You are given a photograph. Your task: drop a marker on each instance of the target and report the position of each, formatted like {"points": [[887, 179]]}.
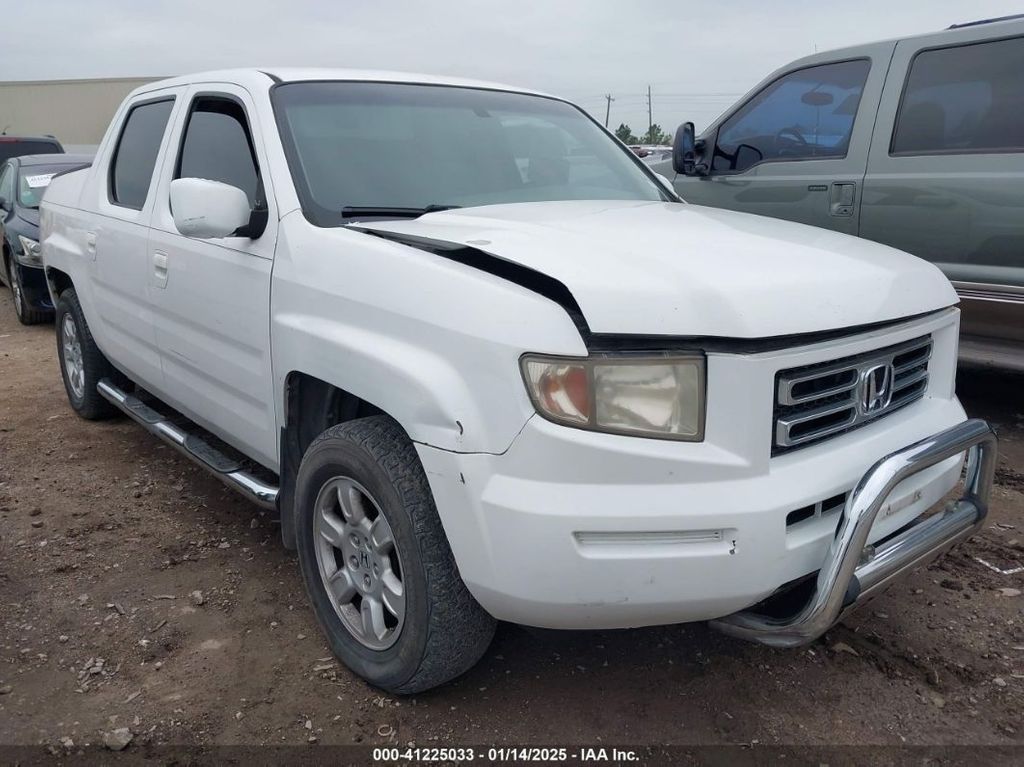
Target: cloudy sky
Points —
{"points": [[697, 58]]}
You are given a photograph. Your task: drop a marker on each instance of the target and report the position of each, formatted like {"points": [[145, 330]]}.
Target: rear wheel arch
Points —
{"points": [[58, 281]]}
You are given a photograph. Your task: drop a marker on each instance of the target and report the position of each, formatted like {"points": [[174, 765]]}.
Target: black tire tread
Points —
{"points": [[459, 630], [94, 407], [27, 315]]}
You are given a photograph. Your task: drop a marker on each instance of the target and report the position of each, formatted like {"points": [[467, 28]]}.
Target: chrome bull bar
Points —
{"points": [[853, 571]]}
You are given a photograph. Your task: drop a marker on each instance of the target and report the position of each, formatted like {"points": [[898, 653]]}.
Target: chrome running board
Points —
{"points": [[226, 469]]}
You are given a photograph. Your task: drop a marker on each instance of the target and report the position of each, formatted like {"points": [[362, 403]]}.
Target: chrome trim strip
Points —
{"points": [[920, 375], [786, 385], [784, 426], [987, 291], [852, 570], [254, 489]]}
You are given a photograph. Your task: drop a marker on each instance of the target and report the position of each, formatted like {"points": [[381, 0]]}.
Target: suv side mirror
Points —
{"points": [[4, 204], [684, 152], [208, 209]]}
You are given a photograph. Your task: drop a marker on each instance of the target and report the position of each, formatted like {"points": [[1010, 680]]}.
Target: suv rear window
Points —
{"points": [[136, 153], [19, 147], [963, 100]]}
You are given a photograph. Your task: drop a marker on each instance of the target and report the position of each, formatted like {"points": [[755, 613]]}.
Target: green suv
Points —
{"points": [[915, 143]]}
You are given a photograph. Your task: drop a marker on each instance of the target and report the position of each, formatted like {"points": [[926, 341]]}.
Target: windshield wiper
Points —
{"points": [[352, 211]]}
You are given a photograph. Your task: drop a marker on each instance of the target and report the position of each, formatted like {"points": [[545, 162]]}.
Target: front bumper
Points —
{"points": [[852, 570], [575, 529]]}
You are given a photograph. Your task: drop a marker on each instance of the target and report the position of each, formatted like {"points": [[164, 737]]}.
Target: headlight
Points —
{"points": [[650, 396], [31, 254]]}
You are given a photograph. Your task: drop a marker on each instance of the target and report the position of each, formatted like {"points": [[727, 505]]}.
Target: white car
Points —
{"points": [[481, 382]]}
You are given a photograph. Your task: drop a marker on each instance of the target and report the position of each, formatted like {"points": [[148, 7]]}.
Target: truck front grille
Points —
{"points": [[818, 401]]}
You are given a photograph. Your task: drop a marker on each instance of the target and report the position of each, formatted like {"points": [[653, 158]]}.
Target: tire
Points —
{"points": [[26, 314], [443, 631], [80, 380]]}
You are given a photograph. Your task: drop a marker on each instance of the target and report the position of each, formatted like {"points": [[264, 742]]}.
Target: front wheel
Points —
{"points": [[26, 314], [376, 562]]}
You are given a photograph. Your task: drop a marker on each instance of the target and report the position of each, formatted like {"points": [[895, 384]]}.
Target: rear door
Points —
{"points": [[122, 317], [212, 297], [796, 147], [945, 178]]}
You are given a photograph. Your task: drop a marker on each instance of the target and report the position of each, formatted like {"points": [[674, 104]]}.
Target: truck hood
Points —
{"points": [[653, 268]]}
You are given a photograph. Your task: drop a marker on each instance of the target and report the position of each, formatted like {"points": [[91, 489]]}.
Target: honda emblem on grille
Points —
{"points": [[875, 389]]}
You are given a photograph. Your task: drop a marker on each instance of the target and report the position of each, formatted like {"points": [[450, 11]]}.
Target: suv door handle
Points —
{"points": [[842, 198], [159, 269], [90, 244]]}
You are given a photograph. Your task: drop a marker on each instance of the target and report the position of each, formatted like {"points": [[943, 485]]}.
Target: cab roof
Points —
{"points": [[264, 77]]}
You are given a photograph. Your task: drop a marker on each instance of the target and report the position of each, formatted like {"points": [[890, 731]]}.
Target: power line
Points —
{"points": [[650, 113]]}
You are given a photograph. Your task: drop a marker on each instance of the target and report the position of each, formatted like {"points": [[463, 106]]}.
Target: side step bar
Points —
{"points": [[192, 446]]}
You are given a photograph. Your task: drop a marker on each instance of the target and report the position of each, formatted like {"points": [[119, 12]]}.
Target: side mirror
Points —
{"points": [[208, 209], [684, 150], [4, 204]]}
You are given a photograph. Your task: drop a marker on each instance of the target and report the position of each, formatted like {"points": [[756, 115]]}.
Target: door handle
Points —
{"points": [[159, 269], [90, 244], [842, 198]]}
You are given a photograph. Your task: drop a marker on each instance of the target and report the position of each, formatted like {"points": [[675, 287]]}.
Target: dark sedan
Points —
{"points": [[22, 183]]}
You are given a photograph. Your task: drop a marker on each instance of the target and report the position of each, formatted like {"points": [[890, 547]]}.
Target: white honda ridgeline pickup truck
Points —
{"points": [[487, 366]]}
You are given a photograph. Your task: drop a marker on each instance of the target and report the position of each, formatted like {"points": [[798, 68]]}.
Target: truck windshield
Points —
{"points": [[370, 145]]}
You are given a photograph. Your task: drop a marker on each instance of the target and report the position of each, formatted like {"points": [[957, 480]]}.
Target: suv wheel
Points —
{"points": [[376, 562], [26, 314], [82, 364]]}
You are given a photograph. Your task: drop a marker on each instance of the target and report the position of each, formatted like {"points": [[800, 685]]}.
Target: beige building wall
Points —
{"points": [[77, 112]]}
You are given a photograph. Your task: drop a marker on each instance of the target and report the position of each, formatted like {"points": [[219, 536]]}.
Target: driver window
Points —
{"points": [[807, 114], [218, 146]]}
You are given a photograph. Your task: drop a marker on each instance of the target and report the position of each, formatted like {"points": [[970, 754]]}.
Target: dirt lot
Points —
{"points": [[106, 536]]}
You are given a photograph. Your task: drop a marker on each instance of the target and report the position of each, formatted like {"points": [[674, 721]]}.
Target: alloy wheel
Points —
{"points": [[359, 563], [74, 365], [16, 289]]}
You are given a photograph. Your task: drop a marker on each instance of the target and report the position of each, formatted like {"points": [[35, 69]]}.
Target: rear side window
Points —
{"points": [[804, 115], [136, 153], [218, 146], [963, 100], [19, 148]]}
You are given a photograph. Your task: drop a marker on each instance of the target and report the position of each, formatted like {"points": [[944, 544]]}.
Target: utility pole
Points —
{"points": [[608, 108], [650, 113]]}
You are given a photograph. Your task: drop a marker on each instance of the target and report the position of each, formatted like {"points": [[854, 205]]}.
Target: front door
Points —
{"points": [[212, 297], [797, 147]]}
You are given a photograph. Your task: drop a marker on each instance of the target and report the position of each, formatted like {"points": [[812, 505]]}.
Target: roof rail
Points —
{"points": [[986, 21]]}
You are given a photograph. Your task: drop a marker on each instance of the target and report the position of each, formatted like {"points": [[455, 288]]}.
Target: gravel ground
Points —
{"points": [[141, 600]]}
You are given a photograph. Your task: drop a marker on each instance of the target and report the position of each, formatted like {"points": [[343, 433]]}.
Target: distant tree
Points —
{"points": [[655, 136], [625, 134]]}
